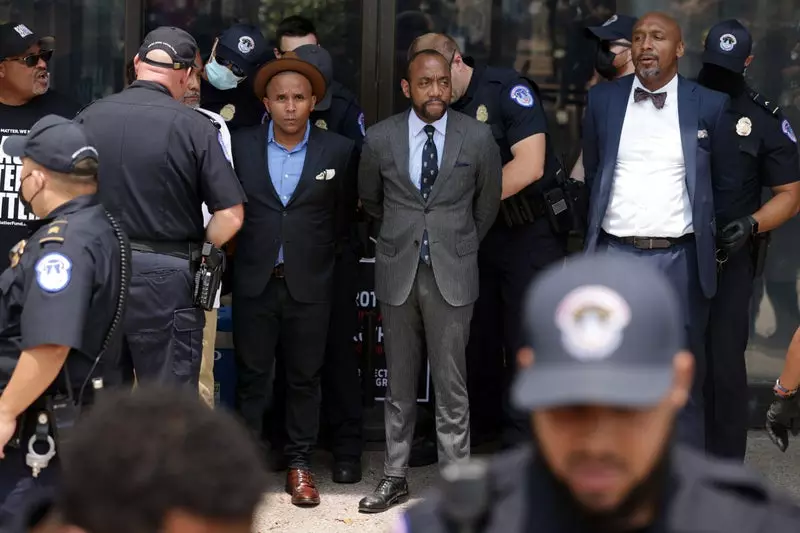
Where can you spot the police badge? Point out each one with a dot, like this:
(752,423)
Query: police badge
(228,112)
(321,124)
(744,127)
(482,114)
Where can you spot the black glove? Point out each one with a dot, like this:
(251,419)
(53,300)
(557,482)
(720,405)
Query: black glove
(782,418)
(735,234)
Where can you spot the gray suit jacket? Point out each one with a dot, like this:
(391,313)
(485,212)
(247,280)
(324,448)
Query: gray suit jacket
(461,208)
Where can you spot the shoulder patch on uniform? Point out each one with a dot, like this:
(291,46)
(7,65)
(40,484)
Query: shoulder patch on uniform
(786,128)
(522,95)
(53,272)
(362,124)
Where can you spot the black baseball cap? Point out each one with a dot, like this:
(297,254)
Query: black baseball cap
(728,45)
(320,58)
(16,38)
(180,46)
(617,27)
(604,330)
(245,46)
(54,142)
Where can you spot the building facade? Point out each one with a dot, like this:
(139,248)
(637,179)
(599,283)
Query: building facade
(542,38)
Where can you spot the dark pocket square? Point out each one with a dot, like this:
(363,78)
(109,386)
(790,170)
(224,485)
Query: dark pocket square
(461,164)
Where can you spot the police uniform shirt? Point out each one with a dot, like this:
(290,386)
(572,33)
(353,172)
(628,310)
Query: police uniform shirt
(344,116)
(62,287)
(768,148)
(161,161)
(239,106)
(14,121)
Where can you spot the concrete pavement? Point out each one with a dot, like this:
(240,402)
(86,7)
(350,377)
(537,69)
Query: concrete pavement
(338,512)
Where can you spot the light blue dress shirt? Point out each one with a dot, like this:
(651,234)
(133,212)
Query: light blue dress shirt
(285,167)
(416,143)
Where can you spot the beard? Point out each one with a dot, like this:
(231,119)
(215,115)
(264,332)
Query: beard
(721,79)
(41,82)
(649,491)
(430,116)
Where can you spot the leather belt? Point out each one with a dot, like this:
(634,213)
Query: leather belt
(278,272)
(651,243)
(182,250)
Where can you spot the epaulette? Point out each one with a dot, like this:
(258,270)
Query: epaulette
(771,108)
(54,233)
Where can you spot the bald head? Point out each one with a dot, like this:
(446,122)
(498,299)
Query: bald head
(657,45)
(174,80)
(444,44)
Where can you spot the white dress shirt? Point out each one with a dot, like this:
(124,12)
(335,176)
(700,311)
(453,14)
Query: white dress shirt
(225,143)
(416,143)
(649,197)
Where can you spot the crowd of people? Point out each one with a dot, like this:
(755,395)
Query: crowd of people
(245,169)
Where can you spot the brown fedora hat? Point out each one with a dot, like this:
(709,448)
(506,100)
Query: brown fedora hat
(289,63)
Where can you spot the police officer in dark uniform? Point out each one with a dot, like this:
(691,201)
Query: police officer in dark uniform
(163,161)
(340,113)
(768,158)
(524,239)
(60,302)
(604,378)
(227,86)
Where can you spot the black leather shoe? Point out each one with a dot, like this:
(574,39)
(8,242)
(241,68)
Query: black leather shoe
(346,472)
(390,491)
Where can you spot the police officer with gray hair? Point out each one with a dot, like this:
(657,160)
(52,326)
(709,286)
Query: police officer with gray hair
(603,376)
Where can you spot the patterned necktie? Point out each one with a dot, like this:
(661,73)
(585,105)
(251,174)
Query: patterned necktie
(658,98)
(430,169)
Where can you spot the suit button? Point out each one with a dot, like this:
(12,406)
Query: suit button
(427,211)
(284,213)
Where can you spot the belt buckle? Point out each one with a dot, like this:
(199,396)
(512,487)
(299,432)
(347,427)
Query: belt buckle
(278,272)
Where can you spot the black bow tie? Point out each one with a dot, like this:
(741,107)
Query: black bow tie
(658,98)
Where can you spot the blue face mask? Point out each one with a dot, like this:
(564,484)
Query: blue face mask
(221,77)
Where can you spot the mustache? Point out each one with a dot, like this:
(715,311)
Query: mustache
(434,101)
(192,94)
(647,56)
(577,460)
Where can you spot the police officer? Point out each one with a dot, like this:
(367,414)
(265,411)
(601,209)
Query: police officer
(227,86)
(523,240)
(604,378)
(163,161)
(768,158)
(60,302)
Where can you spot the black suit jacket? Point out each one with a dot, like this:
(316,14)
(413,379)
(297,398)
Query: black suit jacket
(311,226)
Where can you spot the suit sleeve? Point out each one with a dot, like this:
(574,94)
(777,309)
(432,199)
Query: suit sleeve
(370,180)
(348,195)
(726,175)
(489,186)
(591,155)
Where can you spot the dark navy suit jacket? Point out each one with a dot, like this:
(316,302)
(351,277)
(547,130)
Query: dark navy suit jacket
(707,143)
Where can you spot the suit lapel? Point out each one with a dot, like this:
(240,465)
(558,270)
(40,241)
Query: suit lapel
(688,114)
(452,147)
(314,152)
(260,158)
(616,118)
(400,151)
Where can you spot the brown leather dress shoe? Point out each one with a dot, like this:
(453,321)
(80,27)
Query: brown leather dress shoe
(300,484)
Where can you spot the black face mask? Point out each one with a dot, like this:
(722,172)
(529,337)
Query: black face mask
(604,63)
(721,79)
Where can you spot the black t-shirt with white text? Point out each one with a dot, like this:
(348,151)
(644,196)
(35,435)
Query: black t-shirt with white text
(17,120)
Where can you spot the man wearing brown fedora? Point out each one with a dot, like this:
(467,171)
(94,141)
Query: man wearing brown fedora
(283,281)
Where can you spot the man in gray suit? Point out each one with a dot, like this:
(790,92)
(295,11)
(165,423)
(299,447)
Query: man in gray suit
(433,179)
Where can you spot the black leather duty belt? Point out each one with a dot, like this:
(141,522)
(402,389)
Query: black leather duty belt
(651,243)
(181,250)
(278,272)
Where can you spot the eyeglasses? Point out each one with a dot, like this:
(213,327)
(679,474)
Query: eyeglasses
(236,69)
(33,59)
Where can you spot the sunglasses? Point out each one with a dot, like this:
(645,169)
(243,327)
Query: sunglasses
(33,59)
(236,69)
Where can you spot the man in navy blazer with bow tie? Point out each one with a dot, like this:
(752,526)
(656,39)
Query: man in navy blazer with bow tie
(655,157)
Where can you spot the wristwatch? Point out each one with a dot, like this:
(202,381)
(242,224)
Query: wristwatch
(754,222)
(782,391)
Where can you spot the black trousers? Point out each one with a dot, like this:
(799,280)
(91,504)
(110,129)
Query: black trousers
(725,388)
(509,259)
(341,386)
(262,323)
(163,330)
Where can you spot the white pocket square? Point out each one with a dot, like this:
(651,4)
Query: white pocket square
(326,174)
(702,134)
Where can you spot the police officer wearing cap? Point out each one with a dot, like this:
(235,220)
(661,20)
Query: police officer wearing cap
(603,378)
(768,157)
(60,303)
(524,238)
(227,87)
(163,161)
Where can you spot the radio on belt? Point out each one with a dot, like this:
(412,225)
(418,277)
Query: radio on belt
(208,278)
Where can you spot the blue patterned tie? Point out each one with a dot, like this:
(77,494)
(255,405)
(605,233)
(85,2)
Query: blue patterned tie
(430,169)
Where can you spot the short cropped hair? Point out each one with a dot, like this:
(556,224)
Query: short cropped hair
(138,456)
(442,43)
(294,26)
(426,52)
